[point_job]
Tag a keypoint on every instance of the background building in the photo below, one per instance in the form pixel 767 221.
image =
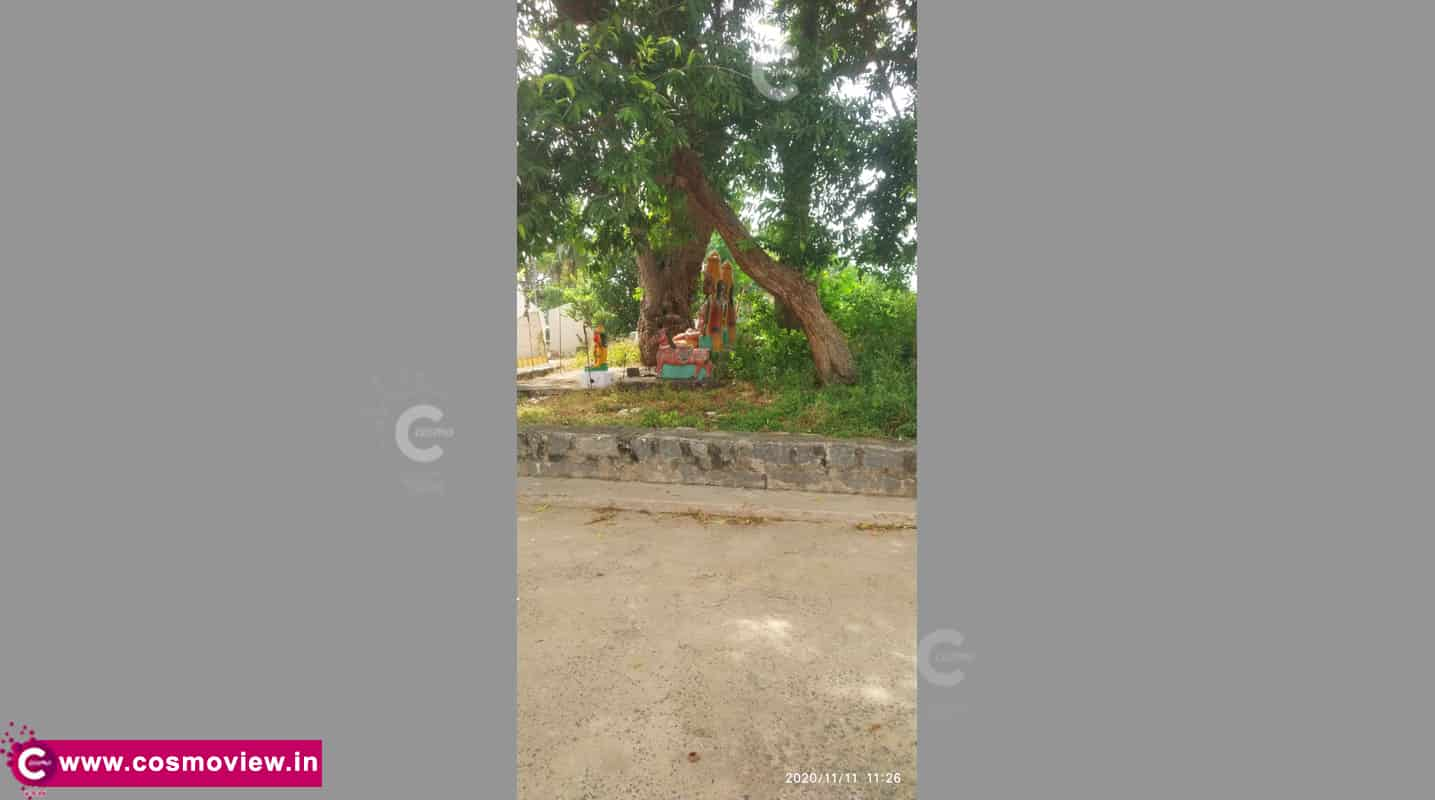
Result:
pixel 554 335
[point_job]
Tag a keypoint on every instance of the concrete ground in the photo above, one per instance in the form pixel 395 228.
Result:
pixel 688 656
pixel 869 511
pixel 569 380
pixel 551 380
pixel 559 380
pixel 553 365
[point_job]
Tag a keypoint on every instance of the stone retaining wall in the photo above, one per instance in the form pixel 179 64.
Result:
pixel 749 461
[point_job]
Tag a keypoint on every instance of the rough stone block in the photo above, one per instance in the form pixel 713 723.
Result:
pixel 646 446
pixel 599 444
pixel 790 476
pixel 670 447
pixel 744 458
pixel 771 452
pixel 888 459
pixel 841 456
pixel 559 442
pixel 769 461
pixel 857 481
pixel 807 453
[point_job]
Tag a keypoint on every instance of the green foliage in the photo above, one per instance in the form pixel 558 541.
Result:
pixel 844 186
pixel 880 322
pixel 605 99
pixel 891 208
pixel 581 295
pixel 602 106
pixel 550 297
pixel 623 353
pixel 658 418
pixel 613 284
pixel 773 384
pixel 600 290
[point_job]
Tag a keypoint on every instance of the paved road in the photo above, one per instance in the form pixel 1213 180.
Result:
pixel 663 656
pixel 841 509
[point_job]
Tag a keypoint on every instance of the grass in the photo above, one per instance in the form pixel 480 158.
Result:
pixel 843 412
pixel 774 382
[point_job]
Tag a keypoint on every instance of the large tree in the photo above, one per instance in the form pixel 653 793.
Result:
pixel 644 126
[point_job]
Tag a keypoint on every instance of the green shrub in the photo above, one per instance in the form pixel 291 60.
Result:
pixel 880 323
pixel 623 353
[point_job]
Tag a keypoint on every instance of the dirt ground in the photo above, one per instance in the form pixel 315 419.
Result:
pixel 663 656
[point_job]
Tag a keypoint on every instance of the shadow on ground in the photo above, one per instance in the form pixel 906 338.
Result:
pixel 663 656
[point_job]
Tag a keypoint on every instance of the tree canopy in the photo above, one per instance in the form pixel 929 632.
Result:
pixel 787 127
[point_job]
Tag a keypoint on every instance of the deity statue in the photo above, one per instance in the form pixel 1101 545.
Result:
pixel 600 349
pixel 688 355
pixel 718 321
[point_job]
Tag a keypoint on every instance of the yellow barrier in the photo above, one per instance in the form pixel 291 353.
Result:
pixel 532 361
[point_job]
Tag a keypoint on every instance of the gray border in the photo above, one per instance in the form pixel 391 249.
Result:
pixel 221 223
pixel 944 687
pixel 1175 432
pixel 1181 252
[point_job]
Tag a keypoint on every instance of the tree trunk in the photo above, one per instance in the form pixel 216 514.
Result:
pixel 668 279
pixel 582 12
pixel 785 317
pixel 830 354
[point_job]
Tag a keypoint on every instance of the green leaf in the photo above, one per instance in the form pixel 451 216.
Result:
pixel 550 77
